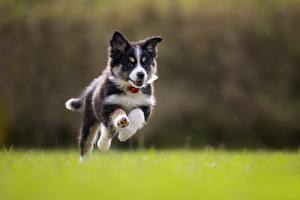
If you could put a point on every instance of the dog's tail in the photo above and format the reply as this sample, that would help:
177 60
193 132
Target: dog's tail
74 104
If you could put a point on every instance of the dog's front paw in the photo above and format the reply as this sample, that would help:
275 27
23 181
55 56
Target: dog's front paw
127 132
123 136
123 122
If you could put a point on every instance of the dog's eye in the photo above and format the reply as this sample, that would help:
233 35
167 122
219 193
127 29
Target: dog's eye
131 59
144 59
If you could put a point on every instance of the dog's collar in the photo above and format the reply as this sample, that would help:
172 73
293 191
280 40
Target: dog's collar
133 89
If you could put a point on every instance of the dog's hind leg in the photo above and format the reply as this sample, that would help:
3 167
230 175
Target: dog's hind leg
105 138
86 137
97 136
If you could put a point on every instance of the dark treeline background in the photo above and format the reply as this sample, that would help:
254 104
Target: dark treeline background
229 70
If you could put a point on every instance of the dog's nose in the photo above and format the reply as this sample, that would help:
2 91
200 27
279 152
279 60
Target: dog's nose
140 75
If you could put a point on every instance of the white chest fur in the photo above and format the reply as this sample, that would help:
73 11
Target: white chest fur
130 101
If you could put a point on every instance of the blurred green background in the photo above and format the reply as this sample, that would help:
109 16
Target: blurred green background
229 70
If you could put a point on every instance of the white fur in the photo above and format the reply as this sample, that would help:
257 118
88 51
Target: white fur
68 104
137 118
152 79
136 122
104 142
119 82
131 100
138 68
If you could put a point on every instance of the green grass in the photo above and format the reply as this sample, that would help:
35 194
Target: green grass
205 174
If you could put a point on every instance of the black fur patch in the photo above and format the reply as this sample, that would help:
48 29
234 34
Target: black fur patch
147 90
147 111
76 104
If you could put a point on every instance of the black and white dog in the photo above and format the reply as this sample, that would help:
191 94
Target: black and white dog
121 100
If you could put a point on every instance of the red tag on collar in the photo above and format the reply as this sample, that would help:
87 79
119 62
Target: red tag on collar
133 89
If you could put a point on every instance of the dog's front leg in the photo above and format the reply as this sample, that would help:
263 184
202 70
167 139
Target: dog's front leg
136 121
119 119
111 116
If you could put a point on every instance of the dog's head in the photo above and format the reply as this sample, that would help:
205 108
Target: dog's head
133 63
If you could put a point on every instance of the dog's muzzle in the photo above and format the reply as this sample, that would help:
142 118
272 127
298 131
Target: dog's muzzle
139 82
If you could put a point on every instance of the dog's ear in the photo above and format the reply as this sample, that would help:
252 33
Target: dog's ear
119 42
151 43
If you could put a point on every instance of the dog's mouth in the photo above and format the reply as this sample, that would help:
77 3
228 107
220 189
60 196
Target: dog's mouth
138 83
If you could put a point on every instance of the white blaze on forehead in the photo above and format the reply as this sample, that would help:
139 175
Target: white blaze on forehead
138 53
138 67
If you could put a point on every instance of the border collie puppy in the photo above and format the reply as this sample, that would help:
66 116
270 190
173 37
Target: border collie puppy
120 100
